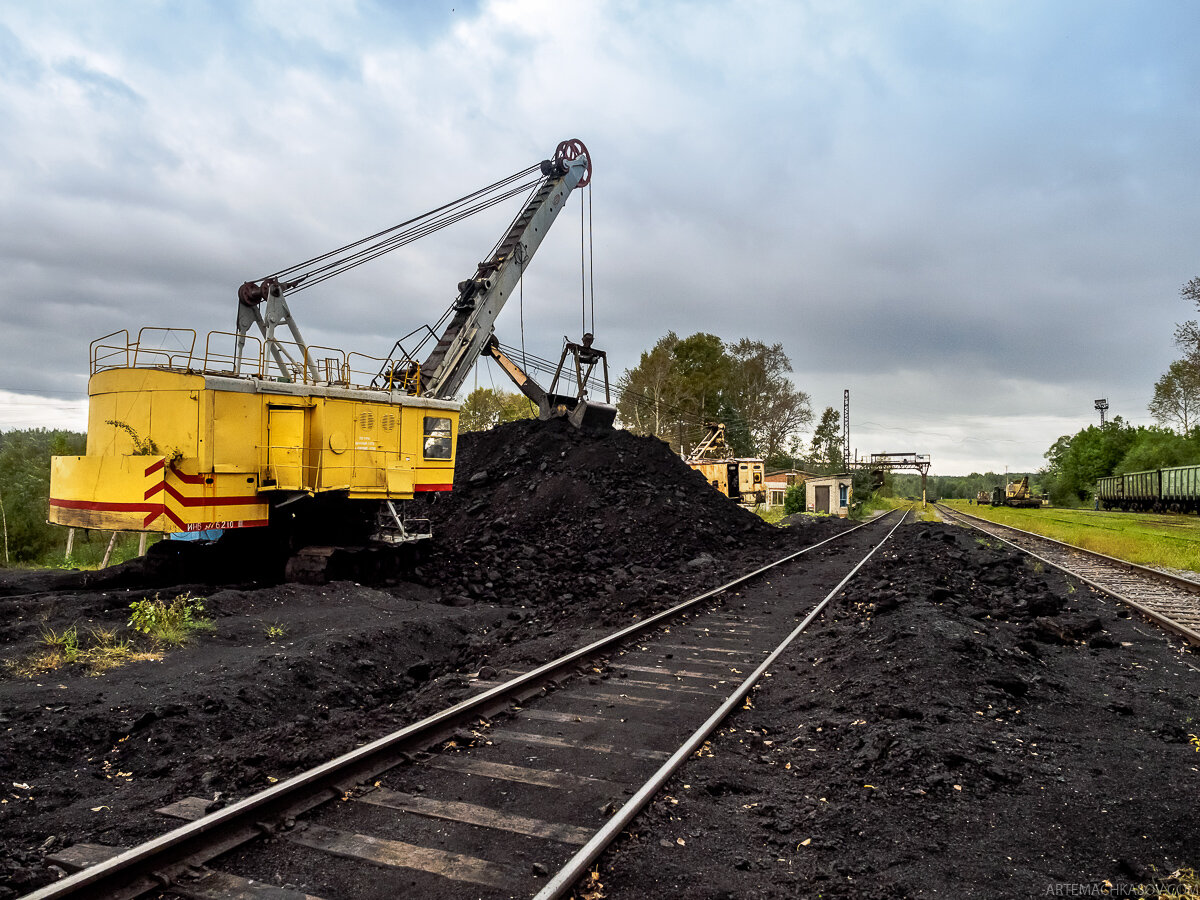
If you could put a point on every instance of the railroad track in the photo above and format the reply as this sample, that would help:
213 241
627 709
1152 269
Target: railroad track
531 778
1170 601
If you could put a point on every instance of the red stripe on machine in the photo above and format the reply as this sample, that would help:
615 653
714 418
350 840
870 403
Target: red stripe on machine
104 507
187 479
211 501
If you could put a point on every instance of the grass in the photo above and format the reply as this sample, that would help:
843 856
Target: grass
889 503
156 624
96 652
88 551
169 624
1169 541
1183 883
772 515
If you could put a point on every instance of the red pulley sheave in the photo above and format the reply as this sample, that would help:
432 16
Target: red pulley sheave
573 148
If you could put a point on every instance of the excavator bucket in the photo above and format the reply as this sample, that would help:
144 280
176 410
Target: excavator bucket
591 416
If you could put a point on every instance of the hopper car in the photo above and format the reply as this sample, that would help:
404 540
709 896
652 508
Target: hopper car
1173 489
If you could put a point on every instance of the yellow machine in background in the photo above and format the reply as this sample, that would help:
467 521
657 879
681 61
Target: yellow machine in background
317 444
738 478
1016 494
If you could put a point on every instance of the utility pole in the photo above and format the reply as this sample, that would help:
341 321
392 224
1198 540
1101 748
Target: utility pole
4 522
846 430
1102 406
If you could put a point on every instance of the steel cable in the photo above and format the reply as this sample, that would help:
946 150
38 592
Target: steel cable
424 224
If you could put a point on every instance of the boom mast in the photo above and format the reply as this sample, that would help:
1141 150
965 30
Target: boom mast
481 297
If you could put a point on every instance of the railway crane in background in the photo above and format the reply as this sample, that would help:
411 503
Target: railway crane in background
313 447
1017 495
738 478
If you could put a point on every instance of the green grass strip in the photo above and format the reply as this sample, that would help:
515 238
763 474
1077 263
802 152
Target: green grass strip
1167 541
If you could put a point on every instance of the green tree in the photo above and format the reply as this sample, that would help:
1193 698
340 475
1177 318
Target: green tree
25 490
486 407
1177 395
1156 448
680 384
646 394
771 408
825 449
1077 461
1187 334
737 431
701 373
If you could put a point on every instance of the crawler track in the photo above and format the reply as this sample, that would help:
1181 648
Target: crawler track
1172 602
516 786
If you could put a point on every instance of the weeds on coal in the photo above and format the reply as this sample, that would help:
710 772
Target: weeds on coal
96 652
169 624
163 624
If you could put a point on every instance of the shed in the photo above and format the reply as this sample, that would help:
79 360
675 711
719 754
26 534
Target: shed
828 494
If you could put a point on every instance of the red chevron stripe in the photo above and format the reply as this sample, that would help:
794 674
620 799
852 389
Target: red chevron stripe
187 479
210 501
153 511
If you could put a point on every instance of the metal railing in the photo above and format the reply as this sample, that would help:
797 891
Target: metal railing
315 365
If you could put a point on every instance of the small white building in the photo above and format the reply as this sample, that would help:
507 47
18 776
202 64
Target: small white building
828 494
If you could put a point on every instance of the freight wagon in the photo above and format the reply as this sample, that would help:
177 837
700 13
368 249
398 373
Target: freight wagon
1175 489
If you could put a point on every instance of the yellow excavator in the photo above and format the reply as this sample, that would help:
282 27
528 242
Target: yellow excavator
1017 495
738 478
316 447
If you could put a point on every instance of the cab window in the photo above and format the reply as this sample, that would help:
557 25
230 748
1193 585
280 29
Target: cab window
438 441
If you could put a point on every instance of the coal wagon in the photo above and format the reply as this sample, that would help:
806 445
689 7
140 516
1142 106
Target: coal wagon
1174 489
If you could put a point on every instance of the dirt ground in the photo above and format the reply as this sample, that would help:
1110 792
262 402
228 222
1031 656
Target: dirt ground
1014 731
549 535
964 724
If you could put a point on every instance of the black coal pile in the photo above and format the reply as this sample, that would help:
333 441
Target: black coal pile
542 513
959 717
548 536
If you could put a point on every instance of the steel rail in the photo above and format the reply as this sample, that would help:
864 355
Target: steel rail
577 866
1108 575
155 864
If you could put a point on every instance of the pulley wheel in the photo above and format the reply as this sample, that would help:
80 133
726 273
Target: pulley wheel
573 149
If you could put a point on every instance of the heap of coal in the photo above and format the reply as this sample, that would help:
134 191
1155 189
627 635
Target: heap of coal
552 509
540 513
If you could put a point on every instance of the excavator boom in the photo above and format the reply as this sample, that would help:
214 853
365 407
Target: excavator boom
481 297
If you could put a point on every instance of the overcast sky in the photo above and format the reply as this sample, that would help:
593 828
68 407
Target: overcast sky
976 216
